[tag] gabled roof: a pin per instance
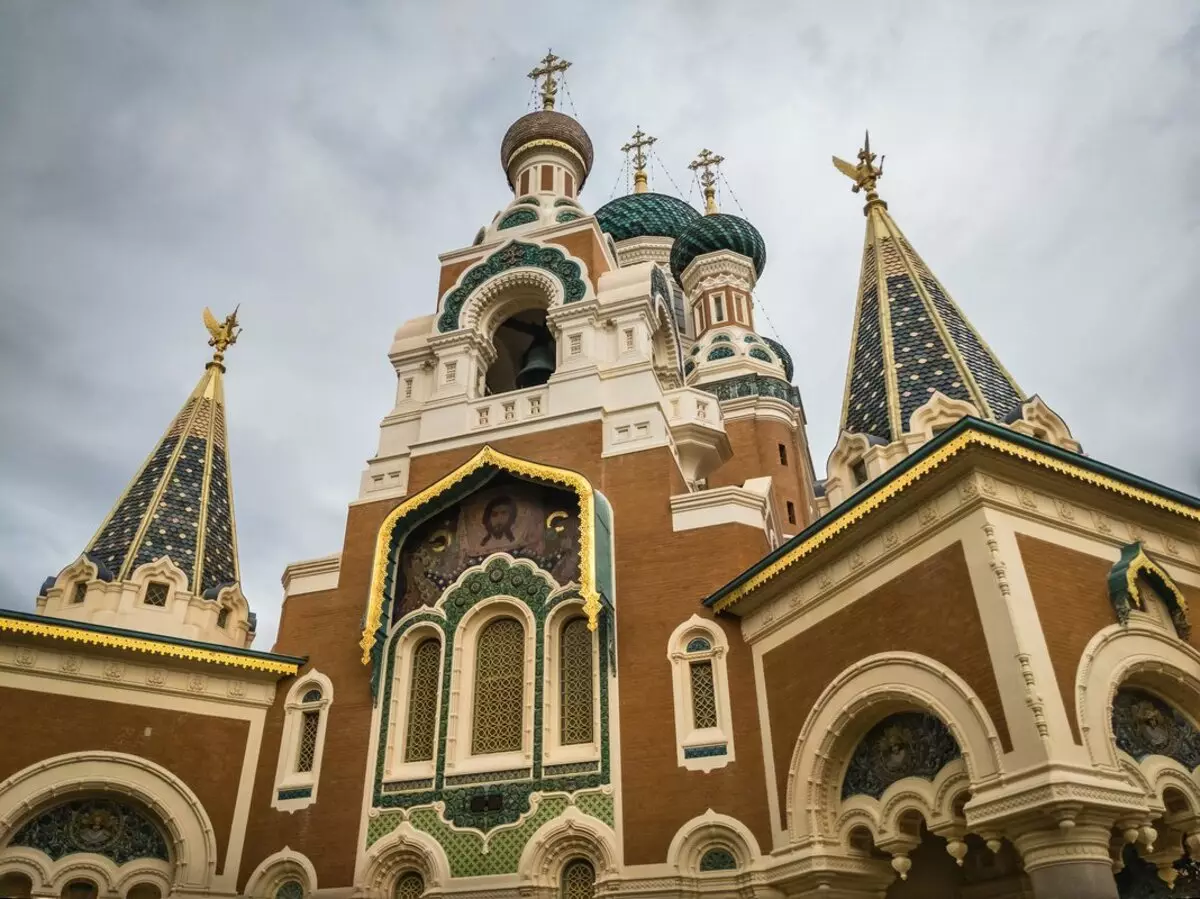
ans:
(180, 502)
(910, 340)
(964, 434)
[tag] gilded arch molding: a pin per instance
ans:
(594, 533)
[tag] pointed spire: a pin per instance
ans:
(180, 503)
(911, 340)
(549, 66)
(639, 144)
(705, 163)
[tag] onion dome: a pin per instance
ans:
(645, 215)
(719, 231)
(538, 129)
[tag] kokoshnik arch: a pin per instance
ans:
(598, 626)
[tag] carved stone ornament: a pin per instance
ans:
(1134, 571)
(1144, 725)
(907, 744)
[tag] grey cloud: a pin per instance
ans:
(310, 159)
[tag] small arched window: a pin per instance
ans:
(290, 889)
(301, 747)
(421, 730)
(576, 704)
(703, 723)
(499, 688)
(578, 880)
(718, 858)
(410, 886)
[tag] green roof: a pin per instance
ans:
(710, 233)
(645, 215)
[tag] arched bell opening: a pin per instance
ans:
(526, 353)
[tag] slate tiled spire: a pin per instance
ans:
(910, 338)
(180, 503)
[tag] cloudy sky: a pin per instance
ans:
(308, 160)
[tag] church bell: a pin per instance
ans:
(537, 365)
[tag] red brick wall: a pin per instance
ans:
(203, 751)
(658, 586)
(755, 444)
(1070, 591)
(929, 609)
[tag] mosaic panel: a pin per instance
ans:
(705, 752)
(112, 544)
(517, 217)
(514, 255)
(907, 744)
(866, 408)
(107, 827)
(220, 567)
(750, 385)
(1144, 725)
(1001, 394)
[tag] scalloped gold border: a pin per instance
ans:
(918, 471)
(142, 644)
(488, 456)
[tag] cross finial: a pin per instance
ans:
(866, 174)
(705, 163)
(641, 141)
(549, 66)
(222, 335)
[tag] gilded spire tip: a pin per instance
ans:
(705, 163)
(865, 174)
(638, 145)
(222, 334)
(549, 66)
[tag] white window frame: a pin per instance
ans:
(553, 751)
(461, 720)
(394, 765)
(686, 734)
(286, 775)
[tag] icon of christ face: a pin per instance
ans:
(499, 516)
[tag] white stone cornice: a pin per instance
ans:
(721, 264)
(312, 575)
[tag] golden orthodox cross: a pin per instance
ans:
(549, 67)
(641, 141)
(705, 163)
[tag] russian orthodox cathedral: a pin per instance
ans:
(600, 627)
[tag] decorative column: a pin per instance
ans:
(1071, 861)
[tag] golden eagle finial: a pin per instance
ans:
(866, 174)
(222, 334)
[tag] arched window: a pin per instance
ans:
(718, 858)
(290, 889)
(703, 720)
(306, 718)
(499, 688)
(310, 725)
(16, 885)
(80, 889)
(578, 880)
(576, 703)
(410, 886)
(144, 891)
(421, 730)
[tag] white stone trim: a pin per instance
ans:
(748, 505)
(561, 840)
(404, 849)
(395, 768)
(193, 841)
(842, 715)
(312, 575)
(686, 734)
(286, 775)
(460, 723)
(278, 868)
(1140, 649)
(697, 835)
(553, 753)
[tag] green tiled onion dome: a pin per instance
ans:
(645, 215)
(710, 233)
(546, 124)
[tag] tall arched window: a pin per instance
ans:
(703, 719)
(578, 880)
(310, 726)
(576, 703)
(499, 688)
(410, 886)
(306, 718)
(421, 732)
